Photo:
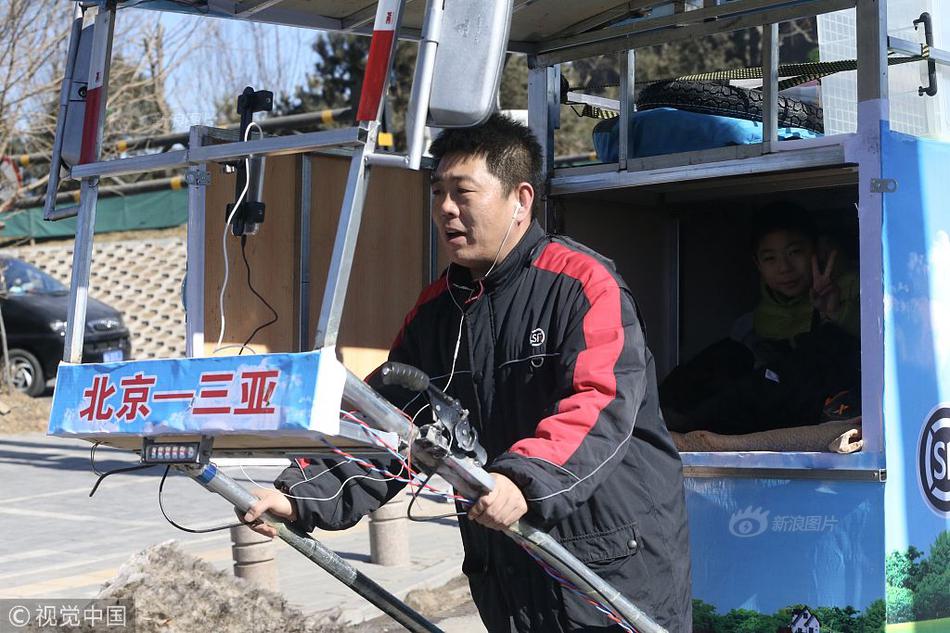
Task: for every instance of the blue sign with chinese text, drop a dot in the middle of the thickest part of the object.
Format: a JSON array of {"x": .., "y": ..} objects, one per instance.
[{"x": 270, "y": 393}]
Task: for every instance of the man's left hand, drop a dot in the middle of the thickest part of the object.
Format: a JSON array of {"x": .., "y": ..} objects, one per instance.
[{"x": 501, "y": 507}]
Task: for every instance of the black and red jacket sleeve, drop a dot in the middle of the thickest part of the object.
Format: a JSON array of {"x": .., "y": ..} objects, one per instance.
[
  {"x": 332, "y": 493},
  {"x": 604, "y": 377}
]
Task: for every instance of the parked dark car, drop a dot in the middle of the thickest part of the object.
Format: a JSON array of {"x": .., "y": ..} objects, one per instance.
[{"x": 35, "y": 308}]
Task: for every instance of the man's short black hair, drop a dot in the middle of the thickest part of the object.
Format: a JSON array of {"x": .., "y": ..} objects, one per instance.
[
  {"x": 511, "y": 151},
  {"x": 781, "y": 216}
]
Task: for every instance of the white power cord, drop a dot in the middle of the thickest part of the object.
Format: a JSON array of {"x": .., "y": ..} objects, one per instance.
[
  {"x": 224, "y": 234},
  {"x": 458, "y": 341}
]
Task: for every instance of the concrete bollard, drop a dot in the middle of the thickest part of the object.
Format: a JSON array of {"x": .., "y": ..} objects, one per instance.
[
  {"x": 254, "y": 557},
  {"x": 389, "y": 533}
]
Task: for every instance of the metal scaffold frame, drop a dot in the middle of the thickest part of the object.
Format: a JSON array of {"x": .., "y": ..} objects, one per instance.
[
  {"x": 594, "y": 35},
  {"x": 859, "y": 151}
]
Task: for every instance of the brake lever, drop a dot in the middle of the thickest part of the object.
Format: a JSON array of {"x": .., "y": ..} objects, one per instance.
[
  {"x": 450, "y": 421},
  {"x": 451, "y": 432}
]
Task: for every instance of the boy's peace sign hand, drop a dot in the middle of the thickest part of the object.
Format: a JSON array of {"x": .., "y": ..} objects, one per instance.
[{"x": 825, "y": 293}]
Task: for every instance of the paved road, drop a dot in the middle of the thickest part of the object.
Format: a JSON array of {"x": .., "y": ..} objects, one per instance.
[{"x": 58, "y": 542}]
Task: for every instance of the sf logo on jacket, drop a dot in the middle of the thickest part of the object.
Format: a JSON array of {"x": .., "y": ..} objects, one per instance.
[{"x": 536, "y": 338}]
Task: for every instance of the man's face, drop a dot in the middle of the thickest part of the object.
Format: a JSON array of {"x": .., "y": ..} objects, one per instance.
[
  {"x": 784, "y": 261},
  {"x": 473, "y": 214}
]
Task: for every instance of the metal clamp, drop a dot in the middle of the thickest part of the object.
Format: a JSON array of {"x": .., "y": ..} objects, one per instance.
[
  {"x": 451, "y": 433},
  {"x": 200, "y": 177},
  {"x": 883, "y": 185}
]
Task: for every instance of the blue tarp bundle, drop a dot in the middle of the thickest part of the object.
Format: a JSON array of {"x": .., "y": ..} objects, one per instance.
[{"x": 667, "y": 131}]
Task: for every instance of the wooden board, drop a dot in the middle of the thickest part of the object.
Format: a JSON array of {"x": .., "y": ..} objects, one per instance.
[
  {"x": 272, "y": 255},
  {"x": 389, "y": 271},
  {"x": 391, "y": 263},
  {"x": 642, "y": 243}
]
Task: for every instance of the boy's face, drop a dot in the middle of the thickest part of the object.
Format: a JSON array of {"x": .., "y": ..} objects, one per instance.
[{"x": 784, "y": 259}]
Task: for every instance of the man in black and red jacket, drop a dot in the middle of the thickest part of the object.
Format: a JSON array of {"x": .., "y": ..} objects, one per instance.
[{"x": 542, "y": 342}]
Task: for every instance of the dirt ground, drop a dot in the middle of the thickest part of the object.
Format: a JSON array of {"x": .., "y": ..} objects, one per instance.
[
  {"x": 26, "y": 415},
  {"x": 174, "y": 592},
  {"x": 449, "y": 601}
]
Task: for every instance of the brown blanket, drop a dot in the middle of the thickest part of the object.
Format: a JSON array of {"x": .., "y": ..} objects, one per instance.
[{"x": 836, "y": 437}]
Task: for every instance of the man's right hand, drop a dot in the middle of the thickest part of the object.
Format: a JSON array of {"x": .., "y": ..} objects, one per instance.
[{"x": 276, "y": 503}]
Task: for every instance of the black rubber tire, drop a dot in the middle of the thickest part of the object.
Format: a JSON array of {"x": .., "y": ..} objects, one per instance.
[
  {"x": 26, "y": 372},
  {"x": 706, "y": 97}
]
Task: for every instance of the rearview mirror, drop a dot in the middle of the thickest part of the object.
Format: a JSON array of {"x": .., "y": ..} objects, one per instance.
[{"x": 468, "y": 64}]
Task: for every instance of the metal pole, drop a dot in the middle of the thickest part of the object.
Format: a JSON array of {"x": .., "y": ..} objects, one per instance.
[
  {"x": 303, "y": 313},
  {"x": 543, "y": 117},
  {"x": 89, "y": 191},
  {"x": 397, "y": 161},
  {"x": 53, "y": 183},
  {"x": 384, "y": 415},
  {"x": 466, "y": 476},
  {"x": 430, "y": 271},
  {"x": 198, "y": 179},
  {"x": 388, "y": 16},
  {"x": 82, "y": 263},
  {"x": 216, "y": 481},
  {"x": 871, "y": 28},
  {"x": 230, "y": 150},
  {"x": 873, "y": 122},
  {"x": 422, "y": 82},
  {"x": 344, "y": 248},
  {"x": 146, "y": 186},
  {"x": 7, "y": 374},
  {"x": 281, "y": 123},
  {"x": 627, "y": 103},
  {"x": 79, "y": 279},
  {"x": 724, "y": 18},
  {"x": 770, "y": 42}
]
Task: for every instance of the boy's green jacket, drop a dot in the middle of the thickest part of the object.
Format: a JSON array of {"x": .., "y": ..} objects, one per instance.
[{"x": 778, "y": 317}]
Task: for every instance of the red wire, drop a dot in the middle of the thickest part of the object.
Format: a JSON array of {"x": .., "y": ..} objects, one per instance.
[
  {"x": 604, "y": 609},
  {"x": 403, "y": 462}
]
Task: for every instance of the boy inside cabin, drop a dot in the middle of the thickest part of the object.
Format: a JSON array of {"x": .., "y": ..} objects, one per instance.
[{"x": 795, "y": 359}]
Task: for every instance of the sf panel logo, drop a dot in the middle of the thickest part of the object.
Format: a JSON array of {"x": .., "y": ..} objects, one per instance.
[{"x": 932, "y": 460}]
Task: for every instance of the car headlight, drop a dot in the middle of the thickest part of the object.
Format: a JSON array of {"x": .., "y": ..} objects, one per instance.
[{"x": 58, "y": 326}]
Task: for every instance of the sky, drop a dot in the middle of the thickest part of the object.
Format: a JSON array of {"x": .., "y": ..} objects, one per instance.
[{"x": 226, "y": 64}]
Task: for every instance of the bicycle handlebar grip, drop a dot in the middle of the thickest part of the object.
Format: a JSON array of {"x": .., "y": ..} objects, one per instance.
[{"x": 405, "y": 376}]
